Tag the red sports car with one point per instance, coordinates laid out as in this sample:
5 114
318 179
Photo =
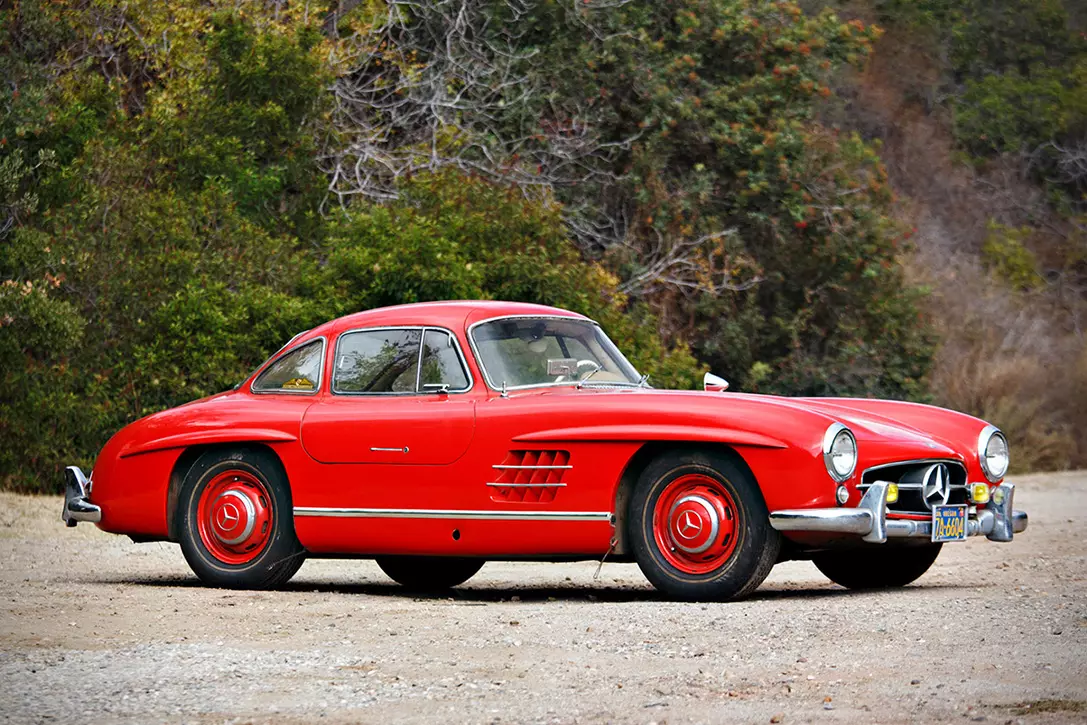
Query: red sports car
433 437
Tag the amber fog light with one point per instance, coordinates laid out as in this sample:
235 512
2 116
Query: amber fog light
979 493
892 493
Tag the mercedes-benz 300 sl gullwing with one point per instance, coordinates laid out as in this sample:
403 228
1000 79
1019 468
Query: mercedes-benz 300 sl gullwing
434 437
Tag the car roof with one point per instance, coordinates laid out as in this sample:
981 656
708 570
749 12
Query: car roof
455 314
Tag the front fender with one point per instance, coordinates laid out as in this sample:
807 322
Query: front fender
602 433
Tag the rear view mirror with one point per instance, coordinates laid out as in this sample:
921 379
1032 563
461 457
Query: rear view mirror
714 384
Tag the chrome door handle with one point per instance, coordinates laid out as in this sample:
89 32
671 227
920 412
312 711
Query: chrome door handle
390 450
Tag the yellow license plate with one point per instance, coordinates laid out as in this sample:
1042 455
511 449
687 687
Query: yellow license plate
948 523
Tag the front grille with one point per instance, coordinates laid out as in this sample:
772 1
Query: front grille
908 475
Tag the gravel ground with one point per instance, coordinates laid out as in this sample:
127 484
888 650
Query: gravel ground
95 628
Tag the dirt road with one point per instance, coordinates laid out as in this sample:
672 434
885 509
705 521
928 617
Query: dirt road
94 628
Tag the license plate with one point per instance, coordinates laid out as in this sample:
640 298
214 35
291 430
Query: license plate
948 523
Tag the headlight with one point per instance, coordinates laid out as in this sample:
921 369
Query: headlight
993 453
839 452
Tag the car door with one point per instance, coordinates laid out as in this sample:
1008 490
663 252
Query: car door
397 396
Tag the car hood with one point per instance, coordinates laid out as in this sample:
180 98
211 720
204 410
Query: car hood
885 430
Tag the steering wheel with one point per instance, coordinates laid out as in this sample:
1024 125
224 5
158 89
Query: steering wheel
580 364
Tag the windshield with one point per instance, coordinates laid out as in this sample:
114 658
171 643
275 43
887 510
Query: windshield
519 352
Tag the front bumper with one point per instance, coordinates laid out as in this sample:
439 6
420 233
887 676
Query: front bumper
996 521
77 505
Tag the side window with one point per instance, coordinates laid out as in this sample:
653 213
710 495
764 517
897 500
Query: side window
298 371
377 361
441 364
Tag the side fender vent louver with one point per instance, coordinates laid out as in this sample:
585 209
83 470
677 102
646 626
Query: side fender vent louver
529 476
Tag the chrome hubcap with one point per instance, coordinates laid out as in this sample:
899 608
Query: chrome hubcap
233 517
693 524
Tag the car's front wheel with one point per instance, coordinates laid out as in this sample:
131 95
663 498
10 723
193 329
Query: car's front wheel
699 527
880 567
429 573
236 522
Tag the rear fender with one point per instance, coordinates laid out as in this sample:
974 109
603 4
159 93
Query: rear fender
207 437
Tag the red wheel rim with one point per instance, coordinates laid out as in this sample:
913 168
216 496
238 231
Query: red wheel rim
695 523
234 517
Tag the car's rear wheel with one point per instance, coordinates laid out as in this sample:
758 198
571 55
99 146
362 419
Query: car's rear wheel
699 527
429 573
880 567
235 520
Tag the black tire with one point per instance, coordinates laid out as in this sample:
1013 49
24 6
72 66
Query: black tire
880 567
735 572
429 573
274 553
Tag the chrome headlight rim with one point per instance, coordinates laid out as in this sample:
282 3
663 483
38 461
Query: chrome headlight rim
833 432
984 439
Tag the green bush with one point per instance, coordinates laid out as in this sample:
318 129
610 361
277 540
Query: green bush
456 237
163 235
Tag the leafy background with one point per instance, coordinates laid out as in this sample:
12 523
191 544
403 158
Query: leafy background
878 198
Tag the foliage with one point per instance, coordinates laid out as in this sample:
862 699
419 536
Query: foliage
159 261
757 235
679 138
455 237
162 229
1006 255
817 339
169 174
1017 80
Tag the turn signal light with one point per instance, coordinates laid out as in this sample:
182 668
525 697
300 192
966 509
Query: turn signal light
892 492
979 493
843 495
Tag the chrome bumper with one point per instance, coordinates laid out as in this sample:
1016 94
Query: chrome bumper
76 505
996 521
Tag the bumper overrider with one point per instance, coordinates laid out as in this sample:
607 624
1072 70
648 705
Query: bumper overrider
997 520
77 506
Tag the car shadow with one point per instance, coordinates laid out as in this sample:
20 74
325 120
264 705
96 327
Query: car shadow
498 592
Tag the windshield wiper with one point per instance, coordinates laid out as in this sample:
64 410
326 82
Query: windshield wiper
593 372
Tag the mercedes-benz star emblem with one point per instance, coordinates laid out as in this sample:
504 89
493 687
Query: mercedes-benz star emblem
936 485
228 517
690 525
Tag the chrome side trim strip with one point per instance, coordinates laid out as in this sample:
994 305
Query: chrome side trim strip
527 485
503 467
456 514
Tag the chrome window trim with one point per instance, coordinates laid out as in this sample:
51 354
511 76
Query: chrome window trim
568 318
280 391
455 514
422 338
